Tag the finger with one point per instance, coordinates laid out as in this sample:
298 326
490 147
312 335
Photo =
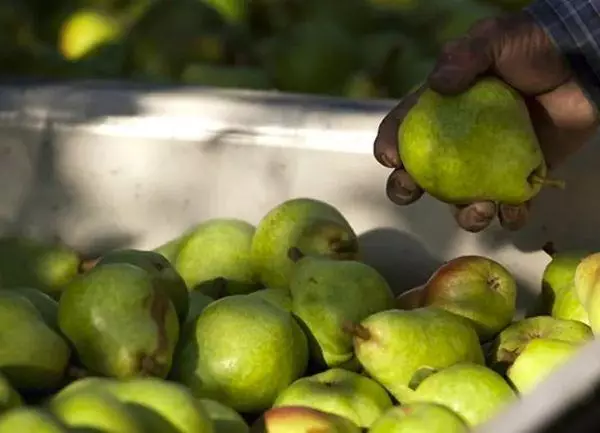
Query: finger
385 148
474 217
514 217
402 189
463 60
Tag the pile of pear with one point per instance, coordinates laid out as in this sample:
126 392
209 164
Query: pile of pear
279 327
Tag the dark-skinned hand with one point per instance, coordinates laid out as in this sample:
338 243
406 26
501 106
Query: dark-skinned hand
517 50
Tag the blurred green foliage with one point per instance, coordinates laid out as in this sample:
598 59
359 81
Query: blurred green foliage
354 48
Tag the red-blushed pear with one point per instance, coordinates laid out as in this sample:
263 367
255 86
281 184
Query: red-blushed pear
301 419
411 299
477 288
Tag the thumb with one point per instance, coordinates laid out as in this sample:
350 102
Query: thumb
463 60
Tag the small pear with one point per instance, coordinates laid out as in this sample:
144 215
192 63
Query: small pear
419 418
537 360
441 146
301 419
279 298
326 294
508 345
474 392
558 297
33 356
224 418
95 411
262 347
394 345
9 397
167 278
26 262
341 392
477 288
30 420
312 226
218 248
118 322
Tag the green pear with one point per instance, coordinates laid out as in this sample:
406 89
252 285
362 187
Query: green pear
26 262
507 346
243 353
557 297
441 147
328 293
167 277
33 356
279 298
538 359
9 397
30 420
224 419
474 392
419 418
587 274
218 248
477 288
301 419
394 345
163 407
198 302
312 226
95 411
46 305
158 405
170 249
341 392
119 323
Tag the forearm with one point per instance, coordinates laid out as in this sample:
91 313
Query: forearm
574 26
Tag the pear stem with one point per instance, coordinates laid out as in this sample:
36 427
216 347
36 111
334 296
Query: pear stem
549 248
295 255
357 330
87 265
553 183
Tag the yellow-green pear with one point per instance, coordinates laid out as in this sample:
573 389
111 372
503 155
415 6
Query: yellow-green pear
473 391
95 411
441 145
312 226
393 346
419 418
218 249
327 294
30 420
279 298
538 359
587 275
119 322
45 304
341 392
242 351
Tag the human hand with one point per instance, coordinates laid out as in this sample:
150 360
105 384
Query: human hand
517 50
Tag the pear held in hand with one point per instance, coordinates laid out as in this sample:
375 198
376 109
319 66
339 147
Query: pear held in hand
312 226
477 288
476 146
